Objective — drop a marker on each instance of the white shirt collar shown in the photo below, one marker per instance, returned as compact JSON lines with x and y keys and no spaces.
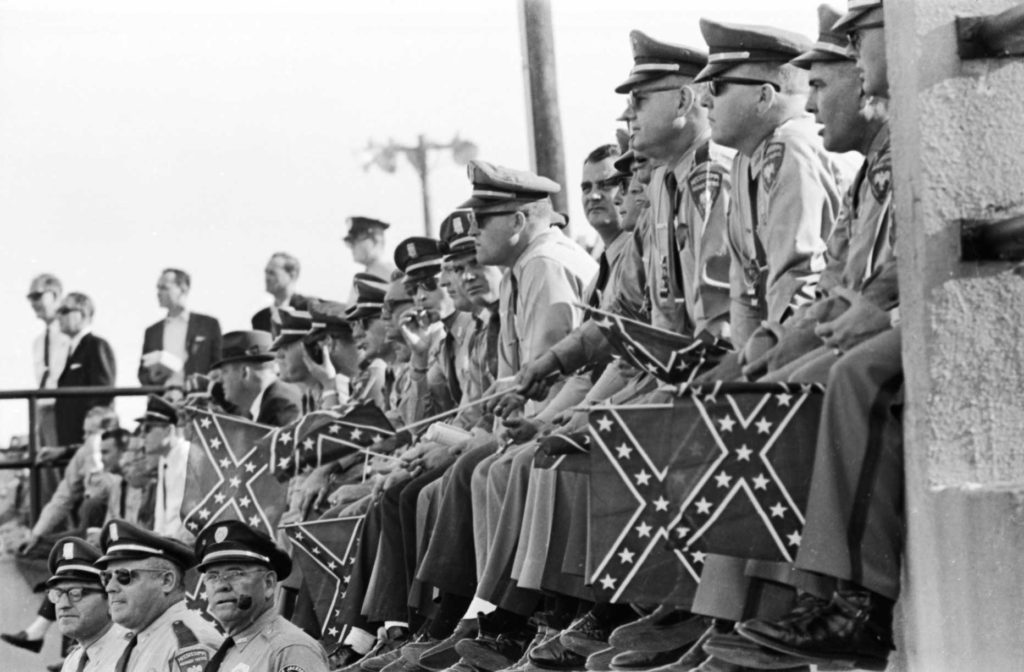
{"x":254,"y":410}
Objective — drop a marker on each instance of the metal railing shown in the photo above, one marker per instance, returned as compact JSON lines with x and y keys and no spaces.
{"x":33,"y":397}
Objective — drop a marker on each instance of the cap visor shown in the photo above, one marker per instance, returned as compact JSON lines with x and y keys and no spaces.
{"x":808,"y":58}
{"x":712,"y":70}
{"x":851,"y":19}
{"x":638,"y":78}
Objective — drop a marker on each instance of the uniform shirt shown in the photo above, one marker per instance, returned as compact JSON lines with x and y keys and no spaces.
{"x":481,"y":367}
{"x":175,"y":330}
{"x":786,"y":198}
{"x":131,"y":504}
{"x":439,"y":388}
{"x":71,"y":488}
{"x":102,"y":653}
{"x":272,"y":644}
{"x":368,"y":385}
{"x":170,"y":490}
{"x":538,"y":296}
{"x":623,"y":294}
{"x":59,"y":346}
{"x":685,"y":248}
{"x":178,"y":639}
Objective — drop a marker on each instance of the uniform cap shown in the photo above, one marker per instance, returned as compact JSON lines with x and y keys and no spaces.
{"x":653,"y":59}
{"x":295,"y":324}
{"x":857,"y":13}
{"x":245,"y":346}
{"x":624,"y":163}
{"x":158,"y":411}
{"x":397,"y":293}
{"x":419,"y":256}
{"x":234,"y":541}
{"x":498,"y":188}
{"x":73,"y":559}
{"x":370,"y":291}
{"x":121,"y":540}
{"x":455,"y":234}
{"x":361,"y":226}
{"x":831,"y":45}
{"x":733,"y":45}
{"x":328,"y":317}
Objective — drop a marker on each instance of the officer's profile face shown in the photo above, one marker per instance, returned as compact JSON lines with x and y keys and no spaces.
{"x":371,"y":337}
{"x":155,"y":436}
{"x":632,"y":204}
{"x":345,"y":355}
{"x":732,"y":112}
{"x":482,"y":283}
{"x":84,"y":618}
{"x":137,"y":591}
{"x":654,"y":117}
{"x":495,"y":235}
{"x":366,"y":248}
{"x":868,"y":45}
{"x":237,"y":592}
{"x":110,"y":456}
{"x":836,"y":102}
{"x":599,"y":188}
{"x":292,"y":368}
{"x":452,"y":280}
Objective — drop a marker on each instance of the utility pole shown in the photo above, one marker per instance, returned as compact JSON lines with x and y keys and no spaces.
{"x":385,"y":157}
{"x":544,"y":122}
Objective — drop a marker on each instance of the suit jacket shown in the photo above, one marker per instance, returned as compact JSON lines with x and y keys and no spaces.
{"x":263,"y":319}
{"x":90,"y":365}
{"x":202,"y":343}
{"x":281,"y":404}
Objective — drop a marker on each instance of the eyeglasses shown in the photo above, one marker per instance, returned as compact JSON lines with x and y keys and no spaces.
{"x":228,"y":575}
{"x":35,"y":296}
{"x":716,"y":88}
{"x":606,"y":184}
{"x":637,"y":98}
{"x":64,"y":310}
{"x":856,"y":36}
{"x":74,"y":594}
{"x":126,"y":577}
{"x":428,"y":284}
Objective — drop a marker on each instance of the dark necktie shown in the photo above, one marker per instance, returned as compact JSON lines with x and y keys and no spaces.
{"x":218,"y":658}
{"x":122,"y":662}
{"x":604,"y":270}
{"x":675,"y":268}
{"x":493,"y":333}
{"x":82,"y":662}
{"x":46,"y":357}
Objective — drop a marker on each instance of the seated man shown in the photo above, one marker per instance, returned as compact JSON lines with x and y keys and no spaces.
{"x":240,"y":570}
{"x":250,"y":381}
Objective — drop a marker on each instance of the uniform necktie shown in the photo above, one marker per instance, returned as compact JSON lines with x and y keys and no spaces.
{"x":675,"y":268}
{"x":82,"y":662}
{"x":604,"y":270}
{"x":122,"y":662}
{"x":46,"y":357}
{"x":218,"y":658}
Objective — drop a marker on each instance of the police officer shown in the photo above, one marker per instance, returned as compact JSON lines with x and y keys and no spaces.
{"x":365,"y":238}
{"x":77,"y":593}
{"x":240,"y":570}
{"x":369,"y":331}
{"x":144,"y":576}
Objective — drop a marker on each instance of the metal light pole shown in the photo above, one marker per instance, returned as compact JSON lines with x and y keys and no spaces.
{"x":385,"y":157}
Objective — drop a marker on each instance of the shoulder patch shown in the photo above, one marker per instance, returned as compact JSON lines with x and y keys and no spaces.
{"x":772,"y":162}
{"x":705,"y":184}
{"x":192,"y":659}
{"x":880,"y":177}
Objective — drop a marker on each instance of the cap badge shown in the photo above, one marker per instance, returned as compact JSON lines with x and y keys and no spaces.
{"x":220,"y":534}
{"x":69,"y":551}
{"x":113,"y":532}
{"x":458,"y":225}
{"x":411,"y":249}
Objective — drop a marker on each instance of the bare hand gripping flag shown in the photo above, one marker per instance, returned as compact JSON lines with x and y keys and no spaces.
{"x":718,"y":469}
{"x":325,"y":551}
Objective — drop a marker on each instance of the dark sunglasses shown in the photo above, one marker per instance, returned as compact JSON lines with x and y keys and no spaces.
{"x":74,"y":594}
{"x":35,"y":296}
{"x":637,"y":98}
{"x":125,"y":577}
{"x":716,"y":86}
{"x":856,"y":36}
{"x":429,"y":284}
{"x":64,"y":310}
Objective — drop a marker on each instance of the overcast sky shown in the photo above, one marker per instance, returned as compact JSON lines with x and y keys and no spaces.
{"x":207,"y":134}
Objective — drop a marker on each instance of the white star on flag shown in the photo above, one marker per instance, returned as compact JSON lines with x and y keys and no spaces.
{"x":723,"y":479}
{"x":760,"y":482}
{"x":604,"y":424}
{"x":624,"y":451}
{"x":661,"y":504}
{"x":643,"y":478}
{"x":763,"y":426}
{"x":626,"y":556}
{"x":643,"y":529}
{"x":778,"y":511}
{"x":743,"y":453}
{"x":726,"y":424}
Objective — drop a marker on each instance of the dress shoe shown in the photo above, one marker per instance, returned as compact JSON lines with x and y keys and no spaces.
{"x":633,"y":661}
{"x":413,"y":650}
{"x":733,"y":648}
{"x":387,"y":651}
{"x":586,"y":635}
{"x":553,"y":655}
{"x":490,"y":653}
{"x":695,"y":655}
{"x":443,"y":655}
{"x":854,"y":630}
{"x":21,"y":640}
{"x":56,"y":667}
{"x":602,"y":660}
{"x":544,"y":634}
{"x":662,"y":630}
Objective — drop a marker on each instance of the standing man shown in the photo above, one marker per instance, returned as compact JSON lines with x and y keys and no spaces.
{"x":279,"y":277}
{"x":249,"y":376}
{"x":90,"y":363}
{"x":181,"y":344}
{"x":240,"y":571}
{"x":365,"y":238}
{"x":144,"y":576}
{"x":49,"y":350}
{"x":76,"y":590}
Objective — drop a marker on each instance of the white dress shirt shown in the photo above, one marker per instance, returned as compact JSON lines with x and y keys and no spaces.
{"x":170,"y":489}
{"x":60,"y":345}
{"x":175,"y":331}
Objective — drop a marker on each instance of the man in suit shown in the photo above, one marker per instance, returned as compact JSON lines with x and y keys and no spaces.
{"x":49,"y":349}
{"x":90,"y":363}
{"x":190,"y":338}
{"x":279,"y":277}
{"x":250,"y":382}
